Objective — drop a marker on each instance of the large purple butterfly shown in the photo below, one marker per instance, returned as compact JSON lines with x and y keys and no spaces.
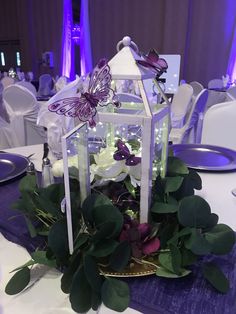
{"x":123,"y":153}
{"x":84,"y":106}
{"x":153,"y":62}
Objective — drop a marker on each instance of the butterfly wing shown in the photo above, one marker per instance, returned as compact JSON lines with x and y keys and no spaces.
{"x":74,"y":107}
{"x":132,"y":160}
{"x":100,"y":82}
{"x":122,"y":151}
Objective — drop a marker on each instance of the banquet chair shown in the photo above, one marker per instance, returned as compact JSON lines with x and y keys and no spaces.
{"x":7,"y":81}
{"x":7,"y":135}
{"x":219,"y":125}
{"x":60,"y":83}
{"x":58,"y":125}
{"x":29,"y":86}
{"x":191,"y":131}
{"x":232,"y":92}
{"x":180,"y":105}
{"x":215,"y":83}
{"x":45,"y":85}
{"x":22,"y":109}
{"x":197,"y":87}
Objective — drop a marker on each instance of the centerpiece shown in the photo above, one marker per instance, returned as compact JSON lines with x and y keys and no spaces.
{"x":126,"y":208}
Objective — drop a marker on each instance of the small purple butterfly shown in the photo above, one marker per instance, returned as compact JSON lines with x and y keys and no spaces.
{"x":124,"y":153}
{"x":84,"y":107}
{"x":153,"y":62}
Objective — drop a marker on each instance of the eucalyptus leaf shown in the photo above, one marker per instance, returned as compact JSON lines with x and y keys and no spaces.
{"x":121,"y":256}
{"x":216,"y":277}
{"x":129,"y":186}
{"x":175,"y":166}
{"x":197,"y":243}
{"x":194,"y":211}
{"x":31,"y":228}
{"x":96,"y":300}
{"x":103,"y":248}
{"x":188,"y":257}
{"x":28,"y":184}
{"x":115,"y":294}
{"x":69,"y":272}
{"x":164,"y":208}
{"x":221,"y":238}
{"x":172,"y":184}
{"x":80,"y":292}
{"x":58,"y":241}
{"x":29,"y":263}
{"x":165,"y":260}
{"x":18,"y":281}
{"x":163,"y":272}
{"x":105,"y":231}
{"x":108,"y":213}
{"x":40,"y":257}
{"x":81,"y":239}
{"x":176,"y":258}
{"x":92,"y":273}
{"x":92,"y":201}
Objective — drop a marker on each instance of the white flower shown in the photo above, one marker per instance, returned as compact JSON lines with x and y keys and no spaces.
{"x":57,"y":167}
{"x":107,"y":168}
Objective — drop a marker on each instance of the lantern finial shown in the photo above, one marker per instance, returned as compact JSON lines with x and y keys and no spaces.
{"x":127,"y":42}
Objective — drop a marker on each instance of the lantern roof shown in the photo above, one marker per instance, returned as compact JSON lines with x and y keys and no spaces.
{"x":124,"y":66}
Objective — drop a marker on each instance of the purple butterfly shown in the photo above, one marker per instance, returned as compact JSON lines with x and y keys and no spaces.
{"x":124,"y":153}
{"x":153,"y":62}
{"x":85,"y":106}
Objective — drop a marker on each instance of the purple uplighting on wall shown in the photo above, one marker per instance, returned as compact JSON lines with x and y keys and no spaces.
{"x":85,"y":45}
{"x":230,"y":32}
{"x":67,"y":45}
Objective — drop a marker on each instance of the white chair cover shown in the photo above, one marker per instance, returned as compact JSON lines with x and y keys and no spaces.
{"x":197,"y":87}
{"x":191,"y":131}
{"x":180,"y":105}
{"x":219,"y":125}
{"x":22,"y":109}
{"x":61,"y":83}
{"x":215,"y":83}
{"x":232,"y":91}
{"x":57,"y":125}
{"x":7,"y":81}
{"x":7,"y":136}
{"x":29,"y":86}
{"x":45,"y":85}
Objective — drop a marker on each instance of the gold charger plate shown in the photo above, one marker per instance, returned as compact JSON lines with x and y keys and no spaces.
{"x":134,"y":270}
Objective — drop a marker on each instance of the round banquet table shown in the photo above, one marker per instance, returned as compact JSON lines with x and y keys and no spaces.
{"x":149,"y":295}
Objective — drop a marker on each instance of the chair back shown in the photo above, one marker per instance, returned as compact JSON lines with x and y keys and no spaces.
{"x":232,"y":91}
{"x":45,"y":85}
{"x":219,"y":125}
{"x":215,"y":83}
{"x":193,"y":131}
{"x":57,"y":125}
{"x":197,"y":87}
{"x":7,"y":81}
{"x":61,"y":83}
{"x":29,"y":86}
{"x":22,"y":109}
{"x":180,"y":105}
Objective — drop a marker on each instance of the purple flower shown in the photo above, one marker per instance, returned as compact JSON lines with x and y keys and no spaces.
{"x":139,"y":237}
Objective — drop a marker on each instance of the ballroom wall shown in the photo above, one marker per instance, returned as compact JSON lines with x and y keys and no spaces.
{"x":199,"y":30}
{"x":37,"y":25}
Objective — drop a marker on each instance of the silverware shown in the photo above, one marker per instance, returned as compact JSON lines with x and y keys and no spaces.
{"x":234,"y":192}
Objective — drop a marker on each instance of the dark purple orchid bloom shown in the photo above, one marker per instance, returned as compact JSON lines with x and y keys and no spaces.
{"x":139,"y":237}
{"x":123,"y":153}
{"x":153,"y":62}
{"x":85,"y":106}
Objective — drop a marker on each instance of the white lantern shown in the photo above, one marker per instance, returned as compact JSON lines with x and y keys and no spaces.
{"x":138,"y":129}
